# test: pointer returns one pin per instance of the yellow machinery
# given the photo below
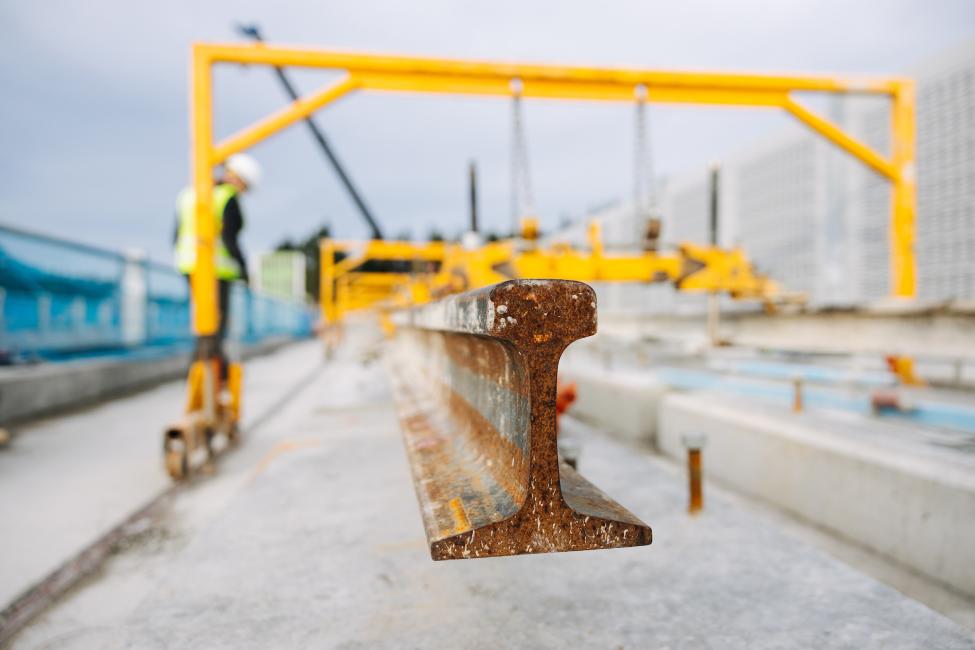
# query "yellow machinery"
(346, 286)
(212, 408)
(427, 75)
(437, 269)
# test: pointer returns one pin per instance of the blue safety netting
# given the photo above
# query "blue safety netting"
(61, 299)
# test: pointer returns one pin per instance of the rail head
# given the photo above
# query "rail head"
(475, 377)
(519, 311)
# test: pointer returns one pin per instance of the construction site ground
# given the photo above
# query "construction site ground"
(308, 535)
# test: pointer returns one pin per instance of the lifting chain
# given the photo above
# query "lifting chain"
(522, 203)
(644, 199)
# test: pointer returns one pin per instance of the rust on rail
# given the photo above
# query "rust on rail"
(474, 378)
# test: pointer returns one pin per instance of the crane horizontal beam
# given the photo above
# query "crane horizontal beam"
(427, 67)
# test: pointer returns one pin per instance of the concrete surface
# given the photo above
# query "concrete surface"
(926, 333)
(34, 391)
(625, 408)
(863, 481)
(41, 390)
(309, 536)
(64, 481)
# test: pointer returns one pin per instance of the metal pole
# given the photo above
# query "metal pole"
(696, 502)
(326, 283)
(694, 443)
(903, 205)
(714, 318)
(797, 404)
(253, 31)
(203, 280)
(714, 180)
(714, 313)
(472, 175)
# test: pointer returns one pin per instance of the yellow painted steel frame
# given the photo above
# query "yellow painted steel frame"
(691, 268)
(343, 288)
(427, 75)
(346, 288)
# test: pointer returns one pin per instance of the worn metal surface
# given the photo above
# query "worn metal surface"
(474, 378)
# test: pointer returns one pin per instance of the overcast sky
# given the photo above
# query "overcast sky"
(94, 104)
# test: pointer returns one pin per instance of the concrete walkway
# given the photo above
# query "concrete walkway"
(67, 480)
(309, 536)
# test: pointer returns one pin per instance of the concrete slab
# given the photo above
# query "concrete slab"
(876, 485)
(625, 407)
(64, 481)
(942, 333)
(46, 389)
(310, 537)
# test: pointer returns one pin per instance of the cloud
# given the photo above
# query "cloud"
(95, 125)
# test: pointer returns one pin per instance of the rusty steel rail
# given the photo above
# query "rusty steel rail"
(474, 378)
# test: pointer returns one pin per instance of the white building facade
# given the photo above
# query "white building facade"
(817, 220)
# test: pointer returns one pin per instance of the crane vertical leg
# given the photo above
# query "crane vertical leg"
(903, 221)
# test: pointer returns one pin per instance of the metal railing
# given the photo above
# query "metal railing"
(62, 298)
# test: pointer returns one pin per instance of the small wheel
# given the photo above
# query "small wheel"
(177, 464)
(176, 454)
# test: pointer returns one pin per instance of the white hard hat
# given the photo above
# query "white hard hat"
(246, 168)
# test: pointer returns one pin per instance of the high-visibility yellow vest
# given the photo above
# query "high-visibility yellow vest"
(227, 267)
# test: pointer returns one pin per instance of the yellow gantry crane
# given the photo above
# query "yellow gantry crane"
(438, 268)
(374, 72)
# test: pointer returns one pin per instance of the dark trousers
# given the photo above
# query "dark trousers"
(223, 303)
(223, 300)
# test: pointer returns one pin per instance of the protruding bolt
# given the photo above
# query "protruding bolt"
(797, 394)
(694, 442)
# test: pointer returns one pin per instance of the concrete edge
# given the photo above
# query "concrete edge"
(799, 431)
(34, 393)
(910, 510)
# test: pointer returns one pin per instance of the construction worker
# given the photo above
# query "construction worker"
(240, 174)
